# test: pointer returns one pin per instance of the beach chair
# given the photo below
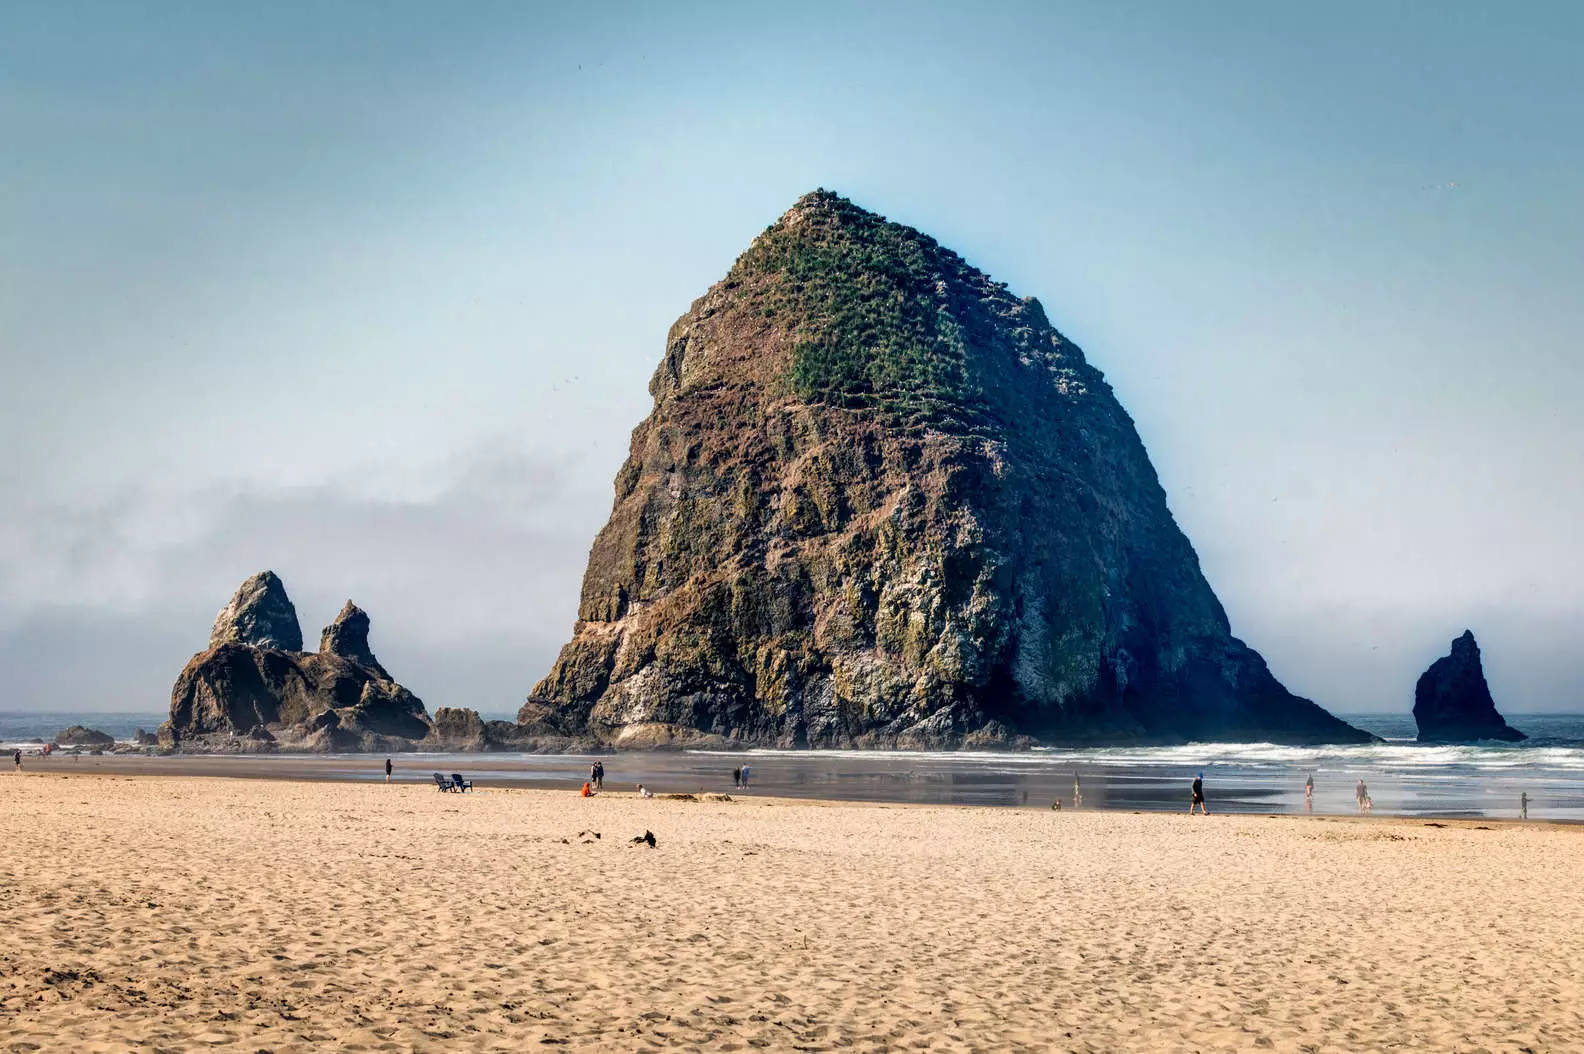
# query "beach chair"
(459, 784)
(441, 783)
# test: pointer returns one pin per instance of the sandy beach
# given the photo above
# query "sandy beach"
(179, 914)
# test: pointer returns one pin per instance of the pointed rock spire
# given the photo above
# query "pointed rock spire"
(260, 614)
(1452, 702)
(347, 637)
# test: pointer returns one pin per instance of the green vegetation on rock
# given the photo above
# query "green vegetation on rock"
(871, 303)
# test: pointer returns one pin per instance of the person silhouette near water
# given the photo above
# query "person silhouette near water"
(1077, 794)
(1198, 796)
(1523, 806)
(388, 767)
(1309, 793)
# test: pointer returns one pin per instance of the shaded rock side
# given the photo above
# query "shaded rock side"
(1452, 702)
(881, 501)
(347, 637)
(260, 614)
(239, 696)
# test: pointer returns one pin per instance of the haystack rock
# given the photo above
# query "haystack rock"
(1452, 702)
(881, 502)
(251, 692)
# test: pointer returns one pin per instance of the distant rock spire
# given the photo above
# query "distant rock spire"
(260, 614)
(347, 637)
(1452, 702)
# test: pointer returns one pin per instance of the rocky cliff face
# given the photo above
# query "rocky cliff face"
(347, 637)
(250, 692)
(260, 615)
(1452, 702)
(881, 501)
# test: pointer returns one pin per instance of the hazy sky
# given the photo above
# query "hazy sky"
(370, 294)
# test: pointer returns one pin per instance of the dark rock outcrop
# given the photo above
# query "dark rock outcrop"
(347, 637)
(243, 696)
(81, 736)
(462, 729)
(465, 730)
(143, 738)
(881, 501)
(261, 615)
(1452, 702)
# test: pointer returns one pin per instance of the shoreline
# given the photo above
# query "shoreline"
(350, 770)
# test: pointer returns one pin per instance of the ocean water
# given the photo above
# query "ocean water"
(28, 730)
(1403, 777)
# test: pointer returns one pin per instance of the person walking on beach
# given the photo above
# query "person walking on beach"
(1361, 795)
(388, 767)
(744, 778)
(599, 775)
(1077, 794)
(1198, 796)
(17, 758)
(1309, 793)
(1523, 806)
(737, 777)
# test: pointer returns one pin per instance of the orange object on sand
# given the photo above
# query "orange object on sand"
(586, 791)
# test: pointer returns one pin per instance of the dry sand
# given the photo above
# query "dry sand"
(178, 914)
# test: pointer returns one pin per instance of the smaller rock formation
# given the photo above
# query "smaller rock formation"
(144, 739)
(260, 615)
(460, 729)
(80, 736)
(1452, 702)
(347, 637)
(464, 730)
(255, 690)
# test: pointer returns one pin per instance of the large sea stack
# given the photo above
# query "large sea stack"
(881, 501)
(254, 689)
(1452, 702)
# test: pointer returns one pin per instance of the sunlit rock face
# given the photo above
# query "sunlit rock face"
(881, 501)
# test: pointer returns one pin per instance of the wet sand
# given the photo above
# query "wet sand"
(182, 914)
(1145, 780)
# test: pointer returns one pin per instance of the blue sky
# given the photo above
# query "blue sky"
(370, 294)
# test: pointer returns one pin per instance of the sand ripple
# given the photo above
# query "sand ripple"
(156, 914)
